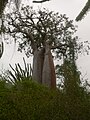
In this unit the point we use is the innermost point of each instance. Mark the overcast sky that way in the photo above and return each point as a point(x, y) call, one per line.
point(71, 8)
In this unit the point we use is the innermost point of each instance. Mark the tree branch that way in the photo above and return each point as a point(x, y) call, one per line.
point(42, 1)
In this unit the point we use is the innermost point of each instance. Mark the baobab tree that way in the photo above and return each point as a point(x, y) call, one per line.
point(42, 33)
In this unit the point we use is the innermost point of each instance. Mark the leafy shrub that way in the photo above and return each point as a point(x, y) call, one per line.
point(28, 100)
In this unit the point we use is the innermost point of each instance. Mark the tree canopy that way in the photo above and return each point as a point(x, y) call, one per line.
point(29, 26)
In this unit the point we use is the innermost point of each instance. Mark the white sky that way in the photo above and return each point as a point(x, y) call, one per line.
point(71, 8)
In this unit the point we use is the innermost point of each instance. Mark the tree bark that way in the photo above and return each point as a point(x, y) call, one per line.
point(38, 60)
point(48, 74)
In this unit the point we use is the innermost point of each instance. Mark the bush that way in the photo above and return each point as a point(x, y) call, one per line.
point(28, 100)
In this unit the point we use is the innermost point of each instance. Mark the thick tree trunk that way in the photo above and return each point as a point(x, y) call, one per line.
point(48, 75)
point(38, 65)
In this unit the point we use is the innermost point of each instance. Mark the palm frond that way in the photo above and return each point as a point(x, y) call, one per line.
point(41, 1)
point(84, 11)
point(18, 74)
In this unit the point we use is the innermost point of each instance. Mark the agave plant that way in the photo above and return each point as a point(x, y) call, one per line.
point(18, 74)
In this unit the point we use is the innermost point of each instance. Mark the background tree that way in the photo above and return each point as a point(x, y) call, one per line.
point(69, 72)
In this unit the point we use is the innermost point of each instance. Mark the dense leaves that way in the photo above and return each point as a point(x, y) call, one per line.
point(30, 101)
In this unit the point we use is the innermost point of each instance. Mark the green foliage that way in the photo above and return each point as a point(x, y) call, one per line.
point(18, 74)
point(28, 100)
point(76, 98)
